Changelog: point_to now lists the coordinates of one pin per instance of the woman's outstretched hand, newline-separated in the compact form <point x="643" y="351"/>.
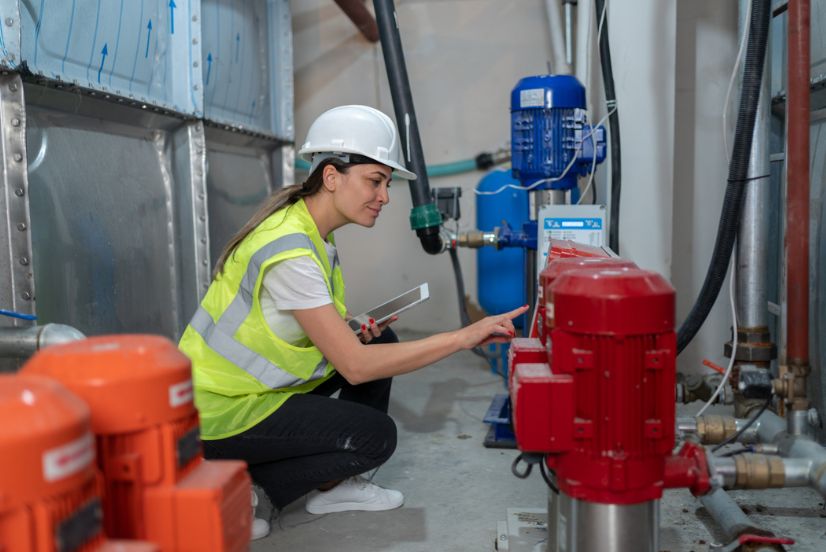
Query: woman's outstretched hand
<point x="492" y="329"/>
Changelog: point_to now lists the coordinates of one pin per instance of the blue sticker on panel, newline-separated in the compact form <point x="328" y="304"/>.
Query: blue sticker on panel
<point x="147" y="50"/>
<point x="243" y="58"/>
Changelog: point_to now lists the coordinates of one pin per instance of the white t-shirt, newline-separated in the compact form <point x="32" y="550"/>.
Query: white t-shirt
<point x="293" y="284"/>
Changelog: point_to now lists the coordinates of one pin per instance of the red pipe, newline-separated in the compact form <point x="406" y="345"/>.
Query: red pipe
<point x="361" y="18"/>
<point x="797" y="178"/>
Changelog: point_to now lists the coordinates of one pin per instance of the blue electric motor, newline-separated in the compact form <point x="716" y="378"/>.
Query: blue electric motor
<point x="549" y="131"/>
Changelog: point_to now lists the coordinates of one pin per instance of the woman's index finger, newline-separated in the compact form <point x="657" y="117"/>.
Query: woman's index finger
<point x="517" y="311"/>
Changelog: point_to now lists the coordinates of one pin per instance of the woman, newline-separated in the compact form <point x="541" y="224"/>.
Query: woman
<point x="269" y="343"/>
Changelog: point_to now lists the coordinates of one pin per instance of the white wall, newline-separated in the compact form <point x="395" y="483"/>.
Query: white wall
<point x="705" y="57"/>
<point x="463" y="57"/>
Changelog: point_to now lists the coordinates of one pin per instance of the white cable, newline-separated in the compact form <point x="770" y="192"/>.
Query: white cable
<point x="730" y="367"/>
<point x="594" y="162"/>
<point x="535" y="184"/>
<point x="740" y="55"/>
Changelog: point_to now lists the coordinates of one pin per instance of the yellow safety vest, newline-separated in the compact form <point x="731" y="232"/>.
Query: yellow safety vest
<point x="242" y="372"/>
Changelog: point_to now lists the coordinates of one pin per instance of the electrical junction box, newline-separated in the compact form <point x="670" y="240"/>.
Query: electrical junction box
<point x="578" y="223"/>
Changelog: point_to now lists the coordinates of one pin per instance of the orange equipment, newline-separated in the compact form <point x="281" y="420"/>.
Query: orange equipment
<point x="158" y="485"/>
<point x="49" y="488"/>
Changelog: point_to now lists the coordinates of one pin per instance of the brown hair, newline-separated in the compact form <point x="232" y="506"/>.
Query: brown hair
<point x="279" y="199"/>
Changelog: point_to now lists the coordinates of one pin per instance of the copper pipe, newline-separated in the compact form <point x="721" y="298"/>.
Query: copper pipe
<point x="797" y="201"/>
<point x="361" y="18"/>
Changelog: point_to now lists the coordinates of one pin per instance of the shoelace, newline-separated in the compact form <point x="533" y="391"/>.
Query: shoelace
<point x="360" y="482"/>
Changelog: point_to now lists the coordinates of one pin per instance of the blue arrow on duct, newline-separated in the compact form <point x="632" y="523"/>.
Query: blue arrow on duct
<point x="209" y="66"/>
<point x="103" y="54"/>
<point x="172" y="7"/>
<point x="148" y="34"/>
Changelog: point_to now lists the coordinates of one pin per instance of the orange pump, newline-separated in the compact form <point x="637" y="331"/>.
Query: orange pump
<point x="158" y="486"/>
<point x="49" y="489"/>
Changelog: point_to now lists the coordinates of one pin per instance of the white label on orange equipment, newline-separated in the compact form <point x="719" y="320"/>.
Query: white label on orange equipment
<point x="68" y="459"/>
<point x="180" y="393"/>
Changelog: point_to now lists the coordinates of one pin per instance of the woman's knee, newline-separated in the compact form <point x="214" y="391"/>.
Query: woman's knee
<point x="380" y="439"/>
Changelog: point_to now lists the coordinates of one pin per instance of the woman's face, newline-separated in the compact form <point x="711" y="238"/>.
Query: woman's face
<point x="362" y="192"/>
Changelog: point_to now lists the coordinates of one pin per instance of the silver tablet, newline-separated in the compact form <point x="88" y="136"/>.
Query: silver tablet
<point x="385" y="311"/>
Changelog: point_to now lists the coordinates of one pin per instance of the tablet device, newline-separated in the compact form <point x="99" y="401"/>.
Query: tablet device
<point x="385" y="311"/>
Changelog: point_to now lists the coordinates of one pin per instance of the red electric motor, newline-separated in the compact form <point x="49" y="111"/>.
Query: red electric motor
<point x="605" y="409"/>
<point x="614" y="337"/>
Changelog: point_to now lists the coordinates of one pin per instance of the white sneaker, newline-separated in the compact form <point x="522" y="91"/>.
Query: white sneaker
<point x="355" y="493"/>
<point x="260" y="527"/>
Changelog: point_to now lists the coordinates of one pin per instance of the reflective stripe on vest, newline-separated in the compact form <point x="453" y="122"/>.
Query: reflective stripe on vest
<point x="218" y="335"/>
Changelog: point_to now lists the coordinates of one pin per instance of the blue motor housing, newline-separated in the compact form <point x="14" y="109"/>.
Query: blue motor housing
<point x="501" y="272"/>
<point x="549" y="132"/>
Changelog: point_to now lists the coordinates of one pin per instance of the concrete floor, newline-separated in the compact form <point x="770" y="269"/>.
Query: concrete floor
<point x="456" y="490"/>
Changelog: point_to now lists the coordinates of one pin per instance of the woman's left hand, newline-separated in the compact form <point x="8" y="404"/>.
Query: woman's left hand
<point x="368" y="333"/>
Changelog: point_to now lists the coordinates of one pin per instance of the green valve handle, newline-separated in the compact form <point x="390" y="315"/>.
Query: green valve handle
<point x="425" y="216"/>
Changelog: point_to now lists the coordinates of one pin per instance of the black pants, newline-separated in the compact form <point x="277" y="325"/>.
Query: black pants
<point x="312" y="439"/>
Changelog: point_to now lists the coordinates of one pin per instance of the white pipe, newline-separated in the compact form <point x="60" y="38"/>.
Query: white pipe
<point x="583" y="37"/>
<point x="556" y="30"/>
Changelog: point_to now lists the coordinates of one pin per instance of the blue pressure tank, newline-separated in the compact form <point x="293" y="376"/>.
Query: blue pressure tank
<point x="501" y="273"/>
<point x="549" y="132"/>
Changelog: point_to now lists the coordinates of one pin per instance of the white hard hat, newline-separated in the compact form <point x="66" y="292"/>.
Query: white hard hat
<point x="356" y="129"/>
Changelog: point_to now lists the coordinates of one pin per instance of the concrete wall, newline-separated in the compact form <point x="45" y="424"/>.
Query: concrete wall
<point x="671" y="63"/>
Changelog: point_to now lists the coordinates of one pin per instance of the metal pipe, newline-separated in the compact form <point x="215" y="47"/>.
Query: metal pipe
<point x="24" y="342"/>
<point x="713" y="428"/>
<point x="561" y="65"/>
<point x="361" y="18"/>
<point x="476" y="239"/>
<point x="772" y="430"/>
<point x="569" y="34"/>
<point x="797" y="422"/>
<point x="728" y="515"/>
<point x="752" y="236"/>
<point x="686" y="426"/>
<point x="595" y="527"/>
<point x="770" y="427"/>
<point x="751" y="302"/>
<point x="760" y="471"/>
<point x="797" y="201"/>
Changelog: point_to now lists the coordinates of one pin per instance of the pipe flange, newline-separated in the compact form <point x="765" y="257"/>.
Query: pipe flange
<point x="752" y="352"/>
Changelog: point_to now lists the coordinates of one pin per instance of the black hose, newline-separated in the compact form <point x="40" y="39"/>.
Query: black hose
<point x="411" y="143"/>
<point x="737" y="174"/>
<point x="613" y="130"/>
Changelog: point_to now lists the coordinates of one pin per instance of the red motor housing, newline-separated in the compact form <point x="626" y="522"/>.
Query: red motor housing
<point x="559" y="267"/>
<point x="603" y="409"/>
